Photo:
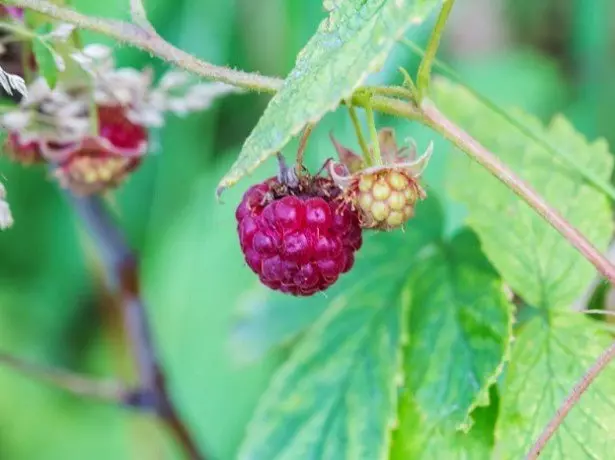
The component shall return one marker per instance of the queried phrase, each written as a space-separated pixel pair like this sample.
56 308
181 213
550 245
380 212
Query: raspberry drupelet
298 240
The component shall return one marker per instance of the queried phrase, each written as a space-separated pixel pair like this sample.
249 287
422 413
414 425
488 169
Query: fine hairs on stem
141 34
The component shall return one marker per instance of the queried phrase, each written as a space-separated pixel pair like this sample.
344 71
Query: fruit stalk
376 157
356 123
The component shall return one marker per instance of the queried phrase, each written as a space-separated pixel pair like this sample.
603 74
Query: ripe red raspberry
102 162
297 240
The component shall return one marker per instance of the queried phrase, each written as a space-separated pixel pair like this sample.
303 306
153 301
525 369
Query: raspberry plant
425 344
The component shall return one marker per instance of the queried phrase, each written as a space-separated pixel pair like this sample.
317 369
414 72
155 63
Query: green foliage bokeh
53 308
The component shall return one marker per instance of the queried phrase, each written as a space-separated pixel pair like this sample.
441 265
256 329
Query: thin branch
356 123
108 391
307 131
137 36
375 156
122 273
573 398
462 140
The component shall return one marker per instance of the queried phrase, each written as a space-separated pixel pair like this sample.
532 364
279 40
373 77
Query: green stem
17 30
373 133
409 84
392 91
424 72
357 128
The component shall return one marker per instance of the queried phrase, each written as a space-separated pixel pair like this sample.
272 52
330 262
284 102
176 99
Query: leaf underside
537 262
352 42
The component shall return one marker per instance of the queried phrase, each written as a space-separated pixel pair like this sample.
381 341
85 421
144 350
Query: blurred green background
547 57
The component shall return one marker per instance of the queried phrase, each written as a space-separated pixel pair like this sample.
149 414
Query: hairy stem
356 123
573 398
141 38
376 157
122 276
307 131
589 175
462 140
424 72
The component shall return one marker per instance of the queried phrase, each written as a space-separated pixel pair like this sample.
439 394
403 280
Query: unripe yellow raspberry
384 194
385 198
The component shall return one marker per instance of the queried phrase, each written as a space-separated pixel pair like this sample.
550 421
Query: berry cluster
297 240
92 164
92 136
384 194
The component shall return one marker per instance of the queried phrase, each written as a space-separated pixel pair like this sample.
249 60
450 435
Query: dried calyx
384 195
94 133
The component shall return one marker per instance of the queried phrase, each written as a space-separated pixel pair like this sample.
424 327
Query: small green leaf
460 329
550 355
533 258
47 60
353 41
431 442
336 397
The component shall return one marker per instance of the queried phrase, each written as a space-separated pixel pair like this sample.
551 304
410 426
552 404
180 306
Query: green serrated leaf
551 354
336 397
46 58
353 41
460 329
436 444
533 258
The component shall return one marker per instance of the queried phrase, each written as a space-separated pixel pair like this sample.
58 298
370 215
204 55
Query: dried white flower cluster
64 115
93 132
177 91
